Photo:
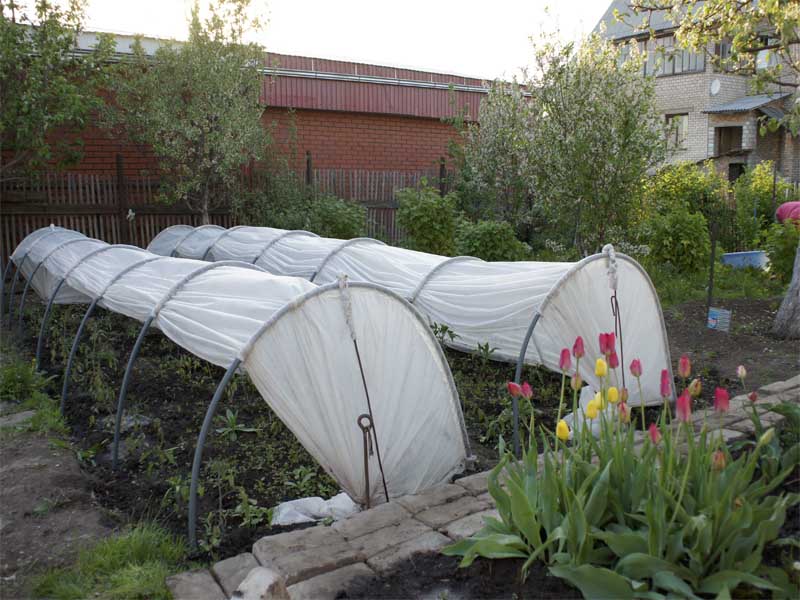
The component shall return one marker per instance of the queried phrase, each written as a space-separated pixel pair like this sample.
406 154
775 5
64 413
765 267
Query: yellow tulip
591 410
562 430
613 395
600 368
599 400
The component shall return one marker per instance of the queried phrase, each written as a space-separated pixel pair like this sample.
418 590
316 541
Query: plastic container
751 258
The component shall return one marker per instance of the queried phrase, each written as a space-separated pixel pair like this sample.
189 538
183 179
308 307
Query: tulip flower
655 434
527 391
722 401
753 396
623 394
613 360
684 406
577 348
599 400
591 410
514 389
607 343
613 395
636 367
695 388
600 368
718 460
562 430
666 384
565 362
741 372
624 413
684 367
576 382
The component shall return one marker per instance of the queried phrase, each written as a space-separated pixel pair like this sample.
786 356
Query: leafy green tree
198 105
46 88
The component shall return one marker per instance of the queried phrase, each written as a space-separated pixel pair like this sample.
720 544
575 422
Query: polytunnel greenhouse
526 311
329 360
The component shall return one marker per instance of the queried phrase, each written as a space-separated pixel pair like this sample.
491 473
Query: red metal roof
323 84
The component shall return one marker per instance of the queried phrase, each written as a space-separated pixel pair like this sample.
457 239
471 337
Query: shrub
685 185
491 240
679 238
754 200
780 242
330 216
428 218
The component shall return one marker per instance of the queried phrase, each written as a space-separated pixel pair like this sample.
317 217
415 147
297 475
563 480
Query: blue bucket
751 258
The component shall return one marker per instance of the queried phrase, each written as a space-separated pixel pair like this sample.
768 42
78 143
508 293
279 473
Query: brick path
321 562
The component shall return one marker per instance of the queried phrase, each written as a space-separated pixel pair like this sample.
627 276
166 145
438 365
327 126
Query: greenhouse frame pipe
435 270
36 269
192 232
518 375
274 241
198 450
89 311
95 252
154 315
6 273
338 249
214 243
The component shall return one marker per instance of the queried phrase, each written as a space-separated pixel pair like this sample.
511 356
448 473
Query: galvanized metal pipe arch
338 249
274 241
214 243
192 232
435 270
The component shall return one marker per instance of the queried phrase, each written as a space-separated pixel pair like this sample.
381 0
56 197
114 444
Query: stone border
321 562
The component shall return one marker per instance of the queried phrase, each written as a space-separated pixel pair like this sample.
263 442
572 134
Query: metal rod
124 389
517 376
13 288
24 295
45 318
72 352
6 273
198 450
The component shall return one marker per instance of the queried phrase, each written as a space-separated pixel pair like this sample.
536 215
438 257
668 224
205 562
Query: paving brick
262 583
383 539
777 387
427 542
232 571
438 516
432 497
469 525
475 484
331 585
194 585
371 520
794 382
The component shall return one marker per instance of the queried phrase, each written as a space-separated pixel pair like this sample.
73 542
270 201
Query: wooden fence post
122 204
309 170
442 177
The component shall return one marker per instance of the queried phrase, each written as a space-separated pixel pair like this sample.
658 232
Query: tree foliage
197 104
45 85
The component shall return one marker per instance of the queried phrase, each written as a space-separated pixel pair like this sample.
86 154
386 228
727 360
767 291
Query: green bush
780 242
428 219
680 239
754 200
491 240
685 185
330 216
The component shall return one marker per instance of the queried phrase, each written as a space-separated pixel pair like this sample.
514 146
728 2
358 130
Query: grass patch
131 565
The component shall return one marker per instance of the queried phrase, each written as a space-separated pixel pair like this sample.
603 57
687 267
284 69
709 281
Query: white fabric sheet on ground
295 343
481 302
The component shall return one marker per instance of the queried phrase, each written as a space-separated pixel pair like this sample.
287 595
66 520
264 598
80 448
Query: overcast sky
486 39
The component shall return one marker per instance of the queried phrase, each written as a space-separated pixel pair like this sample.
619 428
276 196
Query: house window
729 139
766 59
677 130
663 58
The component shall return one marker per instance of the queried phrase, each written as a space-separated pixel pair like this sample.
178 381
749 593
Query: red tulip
636 367
577 347
684 406
655 434
623 395
722 401
607 343
514 389
666 384
527 391
753 396
565 362
613 360
718 460
684 367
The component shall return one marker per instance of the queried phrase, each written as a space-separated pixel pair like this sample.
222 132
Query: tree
197 105
763 36
787 321
46 87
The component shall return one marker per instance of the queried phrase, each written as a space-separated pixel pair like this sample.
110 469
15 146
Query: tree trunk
204 206
787 321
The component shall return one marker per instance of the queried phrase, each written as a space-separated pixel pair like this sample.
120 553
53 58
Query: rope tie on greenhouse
611 272
369 426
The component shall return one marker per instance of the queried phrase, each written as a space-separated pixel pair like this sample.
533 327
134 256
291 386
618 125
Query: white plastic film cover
481 302
295 343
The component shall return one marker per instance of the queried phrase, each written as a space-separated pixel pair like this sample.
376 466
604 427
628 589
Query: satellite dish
715 87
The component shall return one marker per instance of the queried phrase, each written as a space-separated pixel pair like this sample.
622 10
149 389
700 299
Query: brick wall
349 140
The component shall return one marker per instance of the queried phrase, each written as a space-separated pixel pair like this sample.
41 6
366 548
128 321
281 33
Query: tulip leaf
644 566
494 545
715 583
623 544
523 515
598 499
791 457
672 583
595 582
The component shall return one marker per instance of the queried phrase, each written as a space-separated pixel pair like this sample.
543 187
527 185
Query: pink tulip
666 384
577 347
613 360
753 396
607 343
684 406
527 391
636 367
514 389
655 434
565 362
722 401
684 367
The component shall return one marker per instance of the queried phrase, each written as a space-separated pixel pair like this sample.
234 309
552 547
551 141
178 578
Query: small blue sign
719 319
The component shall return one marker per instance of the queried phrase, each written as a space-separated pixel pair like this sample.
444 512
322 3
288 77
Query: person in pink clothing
788 211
